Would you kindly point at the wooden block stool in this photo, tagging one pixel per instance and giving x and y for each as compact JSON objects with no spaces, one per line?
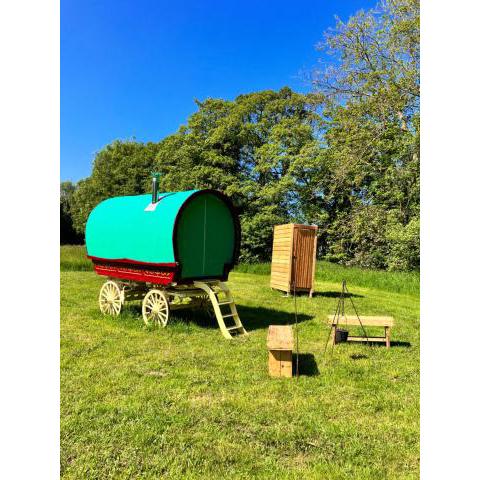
{"x":280,"y":347}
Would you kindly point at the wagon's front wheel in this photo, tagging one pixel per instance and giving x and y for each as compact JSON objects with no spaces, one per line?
{"x":110,"y":298}
{"x":155,"y":309}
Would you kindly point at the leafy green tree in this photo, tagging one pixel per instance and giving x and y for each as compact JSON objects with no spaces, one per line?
{"x":371,"y":90}
{"x":120,"y":168}
{"x":67,"y":233}
{"x":257,"y":149}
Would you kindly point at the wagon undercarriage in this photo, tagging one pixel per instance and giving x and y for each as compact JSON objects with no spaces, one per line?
{"x":158,"y":301}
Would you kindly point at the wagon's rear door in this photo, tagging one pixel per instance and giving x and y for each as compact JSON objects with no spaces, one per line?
{"x":205,"y":237}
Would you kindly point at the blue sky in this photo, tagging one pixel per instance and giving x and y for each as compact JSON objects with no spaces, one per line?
{"x":133,"y":68}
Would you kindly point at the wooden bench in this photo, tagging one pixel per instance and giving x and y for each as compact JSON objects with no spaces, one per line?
{"x":352,"y":320}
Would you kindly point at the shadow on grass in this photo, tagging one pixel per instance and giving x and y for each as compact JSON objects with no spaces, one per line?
{"x":336,"y":295}
{"x":400,"y":344}
{"x":307,"y":366}
{"x":131,"y":316}
{"x":380,"y":345}
{"x":358,"y":356}
{"x":254,"y":318}
{"x":320,"y":294}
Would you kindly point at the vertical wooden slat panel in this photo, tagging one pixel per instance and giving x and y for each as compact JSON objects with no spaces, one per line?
{"x":281,"y":268}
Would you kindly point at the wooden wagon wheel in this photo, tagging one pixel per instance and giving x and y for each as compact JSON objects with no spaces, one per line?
{"x":110,"y":298}
{"x":155,"y":309}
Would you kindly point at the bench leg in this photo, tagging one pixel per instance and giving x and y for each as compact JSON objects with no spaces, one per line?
{"x":387,"y":336}
{"x":334,"y":335}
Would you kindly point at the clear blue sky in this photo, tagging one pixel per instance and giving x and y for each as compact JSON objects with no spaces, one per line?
{"x":133,"y":68}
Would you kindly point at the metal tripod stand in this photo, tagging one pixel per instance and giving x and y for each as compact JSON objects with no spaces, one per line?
{"x":340,"y":313}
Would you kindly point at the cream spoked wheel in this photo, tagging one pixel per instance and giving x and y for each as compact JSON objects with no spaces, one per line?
{"x":155,"y":308}
{"x":110,"y":299}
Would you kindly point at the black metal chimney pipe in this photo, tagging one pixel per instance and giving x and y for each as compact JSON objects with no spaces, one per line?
{"x":155,"y":189}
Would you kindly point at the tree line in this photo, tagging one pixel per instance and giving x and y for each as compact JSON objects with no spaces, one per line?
{"x":345,"y":156}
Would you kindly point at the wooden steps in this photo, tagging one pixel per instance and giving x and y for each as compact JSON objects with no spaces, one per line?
{"x":219,"y":289}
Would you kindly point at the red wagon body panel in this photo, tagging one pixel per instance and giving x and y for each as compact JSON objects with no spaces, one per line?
{"x":158,"y":273}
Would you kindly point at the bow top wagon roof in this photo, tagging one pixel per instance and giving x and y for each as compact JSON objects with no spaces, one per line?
{"x":120,"y":228}
{"x":196,"y":233}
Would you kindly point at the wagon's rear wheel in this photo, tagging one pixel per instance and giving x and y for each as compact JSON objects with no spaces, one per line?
{"x":110,"y":299}
{"x":155,"y":309}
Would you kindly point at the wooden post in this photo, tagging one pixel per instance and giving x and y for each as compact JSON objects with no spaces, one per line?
{"x":387,"y":336}
{"x":314,"y":262}
{"x":334,"y":335}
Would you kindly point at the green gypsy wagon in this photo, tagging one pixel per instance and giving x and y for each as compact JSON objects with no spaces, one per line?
{"x":173,"y":250}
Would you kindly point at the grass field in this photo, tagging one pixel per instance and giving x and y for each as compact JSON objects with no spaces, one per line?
{"x":183,"y":402}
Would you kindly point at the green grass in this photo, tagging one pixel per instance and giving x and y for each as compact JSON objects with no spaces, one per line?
{"x":183,"y":402}
{"x":74,"y":258}
{"x":401,"y":282}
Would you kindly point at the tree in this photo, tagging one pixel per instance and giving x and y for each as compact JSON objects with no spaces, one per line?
{"x":120,"y":168}
{"x":257,"y":149}
{"x":371,"y":90}
{"x":67,"y":233}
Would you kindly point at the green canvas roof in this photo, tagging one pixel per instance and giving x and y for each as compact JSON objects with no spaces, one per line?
{"x":196,"y":229}
{"x":120,"y":228}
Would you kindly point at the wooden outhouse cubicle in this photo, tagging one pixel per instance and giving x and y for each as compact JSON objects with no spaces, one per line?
{"x":293,"y":258}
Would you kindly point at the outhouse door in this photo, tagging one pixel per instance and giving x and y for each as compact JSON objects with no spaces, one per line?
{"x":304,"y":246}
